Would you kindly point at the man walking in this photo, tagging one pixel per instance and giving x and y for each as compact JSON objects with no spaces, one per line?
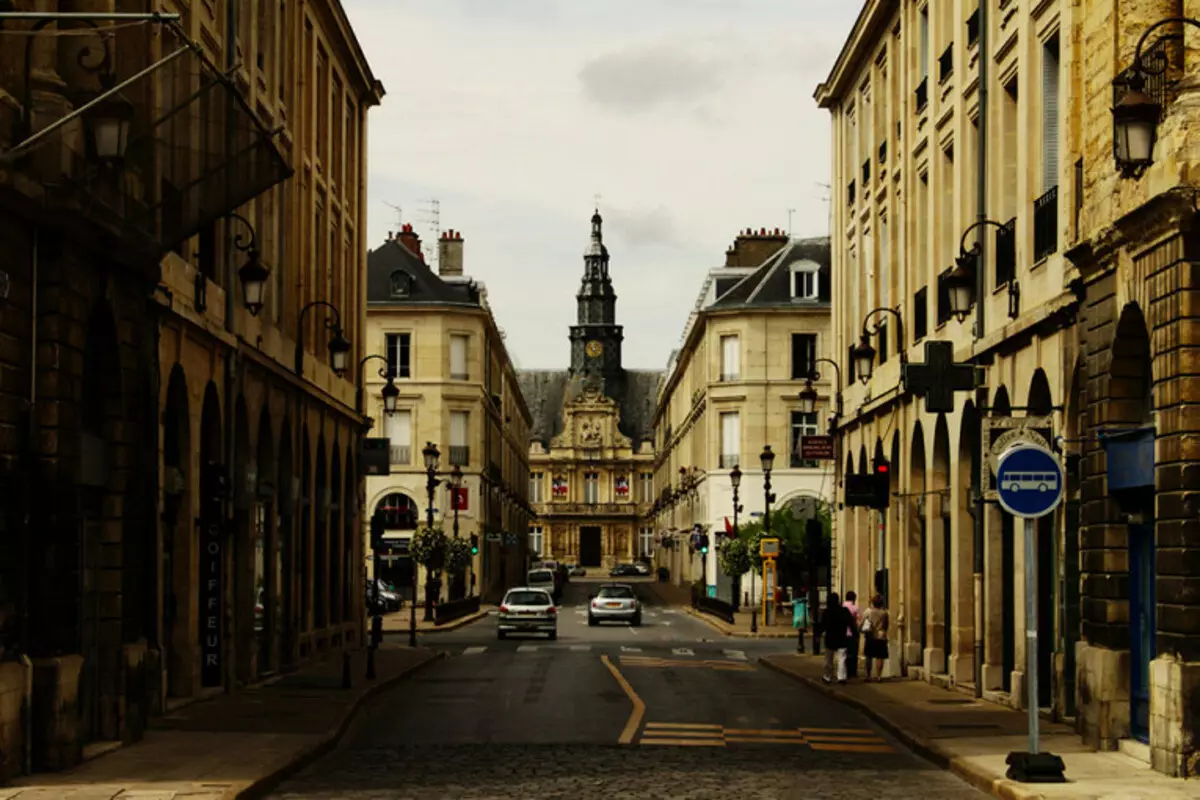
{"x":852,"y":634}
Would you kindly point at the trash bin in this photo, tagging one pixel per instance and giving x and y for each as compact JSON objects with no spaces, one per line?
{"x":800,"y":614}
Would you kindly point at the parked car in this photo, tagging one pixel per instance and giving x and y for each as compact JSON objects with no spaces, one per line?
{"x":542,"y":578}
{"x":379,"y":593}
{"x":642,"y":568}
{"x":615,"y":602}
{"x":621,"y":570}
{"x":527,"y":609}
{"x":576,"y":571}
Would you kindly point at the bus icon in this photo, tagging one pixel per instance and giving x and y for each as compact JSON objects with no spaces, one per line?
{"x":1029,"y":481}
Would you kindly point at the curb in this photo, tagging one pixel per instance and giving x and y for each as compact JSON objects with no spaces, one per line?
{"x":976,"y":776}
{"x":712,"y":623}
{"x":449,"y":626}
{"x":259,"y":787}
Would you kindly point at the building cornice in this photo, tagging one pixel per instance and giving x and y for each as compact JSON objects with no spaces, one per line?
{"x":370,"y":88}
{"x":857,"y":49}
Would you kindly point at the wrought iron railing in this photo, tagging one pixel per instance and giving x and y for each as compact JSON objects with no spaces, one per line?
{"x":460,"y":455}
{"x":1006,"y":252}
{"x":946,"y":63}
{"x":1045,"y":224}
{"x":401,"y":454}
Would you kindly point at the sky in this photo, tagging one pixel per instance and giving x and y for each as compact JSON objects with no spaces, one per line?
{"x":690,"y":119}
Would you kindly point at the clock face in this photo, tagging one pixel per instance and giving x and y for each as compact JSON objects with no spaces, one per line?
{"x":594,"y":348}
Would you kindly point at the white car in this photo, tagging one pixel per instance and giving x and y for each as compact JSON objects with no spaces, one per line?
{"x":527,"y":609}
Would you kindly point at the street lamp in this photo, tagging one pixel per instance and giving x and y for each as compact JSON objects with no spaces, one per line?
{"x":339,"y":345}
{"x":808,"y":398}
{"x":863,"y":355}
{"x":1136,"y":114}
{"x":108,"y":123}
{"x":390,"y":392}
{"x":432,"y":585}
{"x":816,"y":376}
{"x":735,"y":480}
{"x":960,"y":287}
{"x":767,"y":460}
{"x":253,"y":275}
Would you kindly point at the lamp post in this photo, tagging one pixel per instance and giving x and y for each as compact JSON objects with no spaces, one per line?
{"x":864,"y":353}
{"x":390,"y":392}
{"x":339,"y":345}
{"x":735,"y":480}
{"x":1136,"y":115}
{"x":432,"y":585}
{"x":767,"y":461}
{"x":456,"y":479}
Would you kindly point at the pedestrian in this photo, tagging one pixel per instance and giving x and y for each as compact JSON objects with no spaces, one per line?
{"x":852,"y":634}
{"x":835,"y":621}
{"x":875,"y":630}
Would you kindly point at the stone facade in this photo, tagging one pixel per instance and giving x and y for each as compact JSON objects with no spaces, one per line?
{"x":591,"y":447}
{"x":437,"y":335}
{"x":749,"y":347}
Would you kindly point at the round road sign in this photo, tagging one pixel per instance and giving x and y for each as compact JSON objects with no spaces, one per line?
{"x":1029,"y":481}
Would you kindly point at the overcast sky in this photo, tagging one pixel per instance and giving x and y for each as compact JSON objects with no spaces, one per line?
{"x":691,"y":119}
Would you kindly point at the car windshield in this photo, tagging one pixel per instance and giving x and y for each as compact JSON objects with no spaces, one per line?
{"x":527,"y":599}
{"x":616,"y":591}
{"x":541,"y":576}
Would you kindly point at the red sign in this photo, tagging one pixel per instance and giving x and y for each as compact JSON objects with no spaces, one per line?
{"x":816,"y":448}
{"x":458,"y":501}
{"x":622,"y":486}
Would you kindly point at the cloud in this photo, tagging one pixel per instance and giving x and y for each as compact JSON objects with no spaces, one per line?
{"x":649,"y":77}
{"x":642,"y":228}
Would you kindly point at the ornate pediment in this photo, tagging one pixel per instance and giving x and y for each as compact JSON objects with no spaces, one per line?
{"x":590,"y":422}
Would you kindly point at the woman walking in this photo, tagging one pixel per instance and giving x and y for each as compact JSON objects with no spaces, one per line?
{"x":836,"y":622}
{"x":875,"y":629}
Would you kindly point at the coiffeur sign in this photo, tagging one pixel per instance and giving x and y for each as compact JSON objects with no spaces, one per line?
{"x":211,"y":511}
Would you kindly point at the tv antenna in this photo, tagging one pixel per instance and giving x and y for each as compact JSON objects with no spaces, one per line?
{"x":789,"y":228}
{"x":399,"y":215}
{"x":433,"y":218}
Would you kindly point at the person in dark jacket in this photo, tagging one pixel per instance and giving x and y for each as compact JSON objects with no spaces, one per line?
{"x":836,"y":622}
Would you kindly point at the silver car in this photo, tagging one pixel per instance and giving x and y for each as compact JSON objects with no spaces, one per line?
{"x":617,"y":602}
{"x":527,"y":609}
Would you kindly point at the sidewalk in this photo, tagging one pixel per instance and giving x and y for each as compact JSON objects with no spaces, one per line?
{"x":741,"y":626}
{"x":973,"y":737}
{"x":398,"y":621}
{"x":234,"y":745}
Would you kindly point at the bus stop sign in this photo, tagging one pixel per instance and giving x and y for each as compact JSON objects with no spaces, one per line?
{"x":1029,"y":481}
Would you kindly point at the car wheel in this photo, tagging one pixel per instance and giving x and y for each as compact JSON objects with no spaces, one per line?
{"x":637,"y":620}
{"x":592,"y":621}
{"x":501,"y":635}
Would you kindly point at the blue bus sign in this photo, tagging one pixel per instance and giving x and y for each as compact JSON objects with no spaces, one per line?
{"x":1029,"y":481}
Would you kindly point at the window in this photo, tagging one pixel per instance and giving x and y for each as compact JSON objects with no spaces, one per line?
{"x":591,"y":488}
{"x":398,"y":429}
{"x":458,"y":357}
{"x":943,"y":298}
{"x":923,"y":44}
{"x":536,"y":541}
{"x":646,"y":541}
{"x":460,"y":453}
{"x":535,"y":487}
{"x":401,"y":284}
{"x":731,"y":439}
{"x":804,"y":355}
{"x":806,"y":282}
{"x":920,"y":314}
{"x":1050,"y":72}
{"x":399,"y":512}
{"x":399,"y":353}
{"x":803,"y":425}
{"x":730,"y":366}
{"x":885,"y":271}
{"x":646,"y":487}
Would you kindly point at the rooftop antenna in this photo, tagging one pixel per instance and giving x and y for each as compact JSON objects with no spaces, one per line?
{"x":432,"y":217}
{"x":827,"y":198}
{"x":399,"y":214}
{"x":789,"y":229}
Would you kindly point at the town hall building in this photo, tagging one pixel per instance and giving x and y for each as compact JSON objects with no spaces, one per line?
{"x":592,"y":441}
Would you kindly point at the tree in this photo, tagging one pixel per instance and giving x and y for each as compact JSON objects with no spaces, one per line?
{"x":735,"y":558}
{"x":791,"y":530}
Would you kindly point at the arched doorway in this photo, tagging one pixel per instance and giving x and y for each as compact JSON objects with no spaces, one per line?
{"x":265,"y":531}
{"x":964,"y":537}
{"x":999,"y":520}
{"x":210,"y":568}
{"x":1040,"y":404}
{"x":352,"y":564}
{"x":336,"y":533}
{"x":103,"y":583}
{"x":320,"y":575}
{"x":942,"y":539}
{"x":177,"y":535}
{"x":286,"y":605}
{"x":241,"y":560}
{"x":400,"y":517}
{"x":917,"y":598}
{"x":1131,"y":406}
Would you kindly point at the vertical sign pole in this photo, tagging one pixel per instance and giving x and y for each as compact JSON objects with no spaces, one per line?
{"x":1031,"y":631}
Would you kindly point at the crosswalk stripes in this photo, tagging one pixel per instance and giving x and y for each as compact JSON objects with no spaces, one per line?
{"x":682,"y":734}
{"x":473,"y":651}
{"x":683,"y":651}
{"x":625,"y":649}
{"x":527,"y":648}
{"x":699,"y":734}
{"x":736,"y":655}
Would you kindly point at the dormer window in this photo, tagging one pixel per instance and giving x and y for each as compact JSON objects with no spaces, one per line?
{"x":806,"y":281}
{"x":401,"y":284}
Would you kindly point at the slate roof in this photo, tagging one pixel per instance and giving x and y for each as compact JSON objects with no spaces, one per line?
{"x":546,"y":390}
{"x":424,"y":285}
{"x":769,"y":285}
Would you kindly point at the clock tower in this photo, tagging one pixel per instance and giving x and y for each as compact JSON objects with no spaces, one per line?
{"x":596,"y":336}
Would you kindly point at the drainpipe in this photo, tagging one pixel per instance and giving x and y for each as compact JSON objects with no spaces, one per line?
{"x":232,"y":386}
{"x":26,"y":521}
{"x":980,"y":317}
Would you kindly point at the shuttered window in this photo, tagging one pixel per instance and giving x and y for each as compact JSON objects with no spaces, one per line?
{"x":1050,"y":80}
{"x":730,"y":362}
{"x":458,"y":357}
{"x":458,"y":428}
{"x":731,"y":439}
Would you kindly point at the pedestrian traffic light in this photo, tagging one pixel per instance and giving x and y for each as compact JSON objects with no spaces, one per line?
{"x":376,"y":530}
{"x":881,"y":484}
{"x":704,"y":544}
{"x":474,"y":544}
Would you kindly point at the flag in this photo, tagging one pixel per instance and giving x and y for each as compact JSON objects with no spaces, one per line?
{"x":728,"y":527}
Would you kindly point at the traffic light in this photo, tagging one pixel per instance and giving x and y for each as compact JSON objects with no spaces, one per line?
{"x":881,"y":484}
{"x":474,"y":544}
{"x":704,"y":544}
{"x":376,"y":530}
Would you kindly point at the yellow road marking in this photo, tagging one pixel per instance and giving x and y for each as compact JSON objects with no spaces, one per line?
{"x":821,"y":737}
{"x":728,"y":666}
{"x":761,"y":740}
{"x":696,"y":725}
{"x":836,"y":730}
{"x":762,"y":732}
{"x":851,"y":748}
{"x":639,"y":708}
{"x":686,"y":742}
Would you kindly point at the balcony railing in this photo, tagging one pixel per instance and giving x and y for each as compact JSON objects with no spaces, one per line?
{"x":594,"y":509}
{"x":1006,"y":252}
{"x":946,"y":63}
{"x":866,"y":174}
{"x":728,"y":460}
{"x":1045,"y":224}
{"x":973,"y":28}
{"x":460,"y":455}
{"x":920,"y":314}
{"x":922,"y":94}
{"x":401,"y":454}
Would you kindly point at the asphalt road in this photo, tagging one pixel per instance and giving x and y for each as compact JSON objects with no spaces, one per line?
{"x":671,"y":709}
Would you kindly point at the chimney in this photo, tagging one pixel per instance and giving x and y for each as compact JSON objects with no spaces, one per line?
{"x":752,"y":248}
{"x":450,"y":253}
{"x":409,"y":238}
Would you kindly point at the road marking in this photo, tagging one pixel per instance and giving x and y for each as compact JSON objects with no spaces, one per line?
{"x":686,"y":742}
{"x":527,"y":648}
{"x":473,"y":651}
{"x":581,"y":648}
{"x":851,"y":748}
{"x":692,"y":725}
{"x":650,"y":661}
{"x":639,"y":708}
{"x":737,"y":655}
{"x":776,"y":733}
{"x":836,"y":730}
{"x":682,"y":651}
{"x":625,"y":649}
